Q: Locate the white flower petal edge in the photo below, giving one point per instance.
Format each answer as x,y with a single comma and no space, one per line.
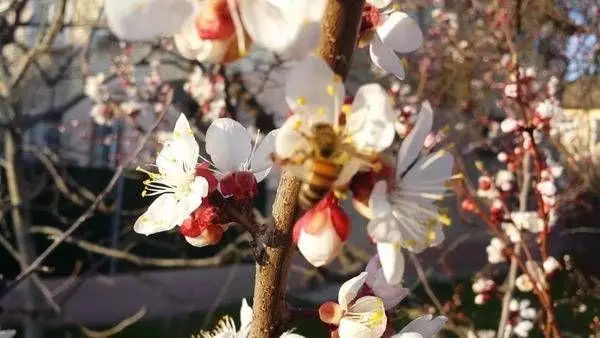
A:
178,189
371,120
400,33
142,20
314,91
427,326
260,161
392,262
228,143
379,3
385,57
350,288
413,143
283,26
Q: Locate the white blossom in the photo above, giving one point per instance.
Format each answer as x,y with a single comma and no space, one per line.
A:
391,294
226,326
397,33
178,188
495,251
363,317
425,326
315,96
408,216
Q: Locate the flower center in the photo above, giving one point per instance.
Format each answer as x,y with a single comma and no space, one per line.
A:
371,319
157,183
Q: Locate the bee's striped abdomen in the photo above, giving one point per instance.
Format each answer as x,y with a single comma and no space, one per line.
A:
318,181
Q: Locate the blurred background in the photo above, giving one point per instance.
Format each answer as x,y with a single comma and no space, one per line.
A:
76,104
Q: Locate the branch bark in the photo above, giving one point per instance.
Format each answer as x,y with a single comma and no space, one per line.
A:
339,32
20,224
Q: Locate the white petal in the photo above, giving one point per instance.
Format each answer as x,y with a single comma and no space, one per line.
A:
8,333
198,190
425,325
229,144
274,25
199,241
348,171
321,248
413,143
352,329
288,140
159,217
350,288
407,335
392,262
400,32
191,47
385,58
378,200
304,43
140,20
183,137
308,88
426,181
379,3
246,314
261,162
373,306
371,122
385,229
291,335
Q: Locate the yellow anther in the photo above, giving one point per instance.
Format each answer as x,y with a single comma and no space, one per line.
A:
431,236
330,90
301,100
321,111
395,7
445,220
410,243
298,125
341,194
347,109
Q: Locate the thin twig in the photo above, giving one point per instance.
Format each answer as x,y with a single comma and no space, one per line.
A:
85,216
423,278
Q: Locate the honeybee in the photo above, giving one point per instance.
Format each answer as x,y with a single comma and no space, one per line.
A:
323,162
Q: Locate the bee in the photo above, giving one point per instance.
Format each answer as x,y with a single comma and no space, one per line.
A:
322,162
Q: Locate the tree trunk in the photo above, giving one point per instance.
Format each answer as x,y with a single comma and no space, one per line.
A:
20,222
338,38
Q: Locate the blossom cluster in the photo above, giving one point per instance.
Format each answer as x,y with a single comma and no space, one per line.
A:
335,145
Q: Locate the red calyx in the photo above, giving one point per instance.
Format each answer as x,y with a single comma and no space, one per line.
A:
241,185
202,169
214,21
362,183
205,216
327,211
370,19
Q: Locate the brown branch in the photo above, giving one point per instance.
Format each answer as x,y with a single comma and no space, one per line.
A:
85,216
46,42
339,32
423,279
54,233
122,325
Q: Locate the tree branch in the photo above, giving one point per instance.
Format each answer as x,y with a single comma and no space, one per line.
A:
339,32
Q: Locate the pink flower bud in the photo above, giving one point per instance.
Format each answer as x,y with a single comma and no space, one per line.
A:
509,125
502,157
321,231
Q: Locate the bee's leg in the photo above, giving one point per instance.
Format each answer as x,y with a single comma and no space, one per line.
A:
297,158
341,193
373,159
